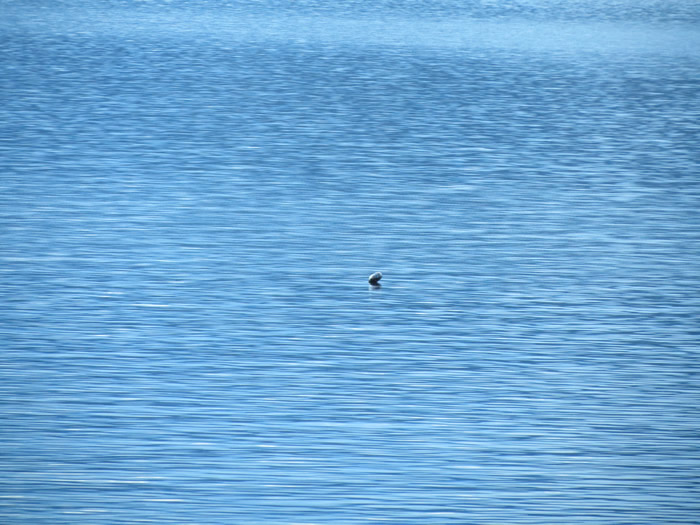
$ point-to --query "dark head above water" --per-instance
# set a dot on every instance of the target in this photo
(374, 278)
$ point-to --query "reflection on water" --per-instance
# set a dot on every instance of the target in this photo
(192, 202)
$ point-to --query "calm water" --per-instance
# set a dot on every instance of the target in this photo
(192, 198)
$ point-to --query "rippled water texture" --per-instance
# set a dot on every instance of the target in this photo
(193, 195)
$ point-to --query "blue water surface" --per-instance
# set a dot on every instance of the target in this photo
(192, 196)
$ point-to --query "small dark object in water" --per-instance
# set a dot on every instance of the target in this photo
(374, 278)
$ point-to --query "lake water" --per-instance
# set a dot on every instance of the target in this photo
(193, 195)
